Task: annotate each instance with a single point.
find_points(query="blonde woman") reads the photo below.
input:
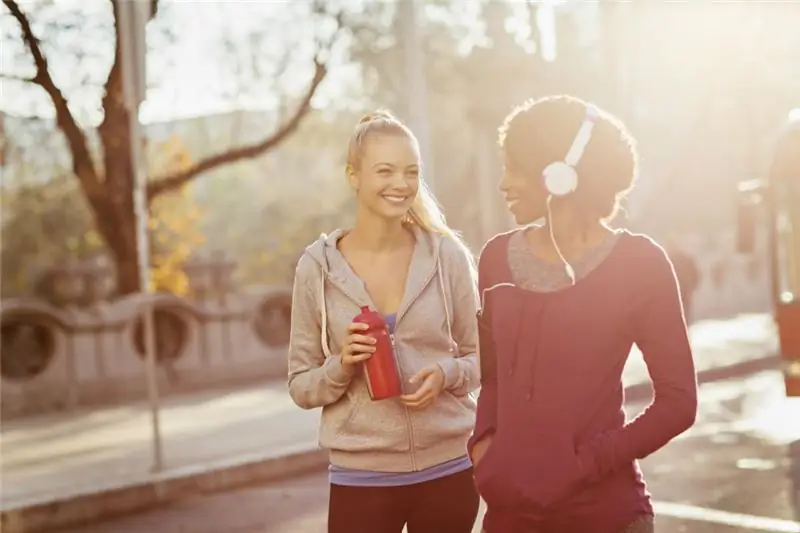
(401, 461)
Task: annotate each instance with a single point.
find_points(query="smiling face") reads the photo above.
(386, 178)
(525, 195)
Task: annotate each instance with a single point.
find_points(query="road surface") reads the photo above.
(736, 471)
(50, 457)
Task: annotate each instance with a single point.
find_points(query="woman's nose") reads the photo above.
(502, 185)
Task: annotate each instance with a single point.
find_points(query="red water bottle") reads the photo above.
(383, 378)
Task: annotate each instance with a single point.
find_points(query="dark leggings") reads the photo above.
(445, 505)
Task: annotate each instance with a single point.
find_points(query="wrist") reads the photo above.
(338, 371)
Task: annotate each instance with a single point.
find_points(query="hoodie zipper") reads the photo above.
(400, 314)
(395, 352)
(406, 413)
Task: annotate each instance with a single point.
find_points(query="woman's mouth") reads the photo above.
(395, 198)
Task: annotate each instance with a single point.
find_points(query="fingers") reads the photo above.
(357, 347)
(420, 399)
(355, 358)
(422, 374)
(420, 404)
(355, 327)
(361, 340)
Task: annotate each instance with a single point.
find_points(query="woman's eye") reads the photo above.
(385, 172)
(414, 174)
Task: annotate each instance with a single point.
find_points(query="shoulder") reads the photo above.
(645, 257)
(308, 269)
(451, 249)
(495, 250)
(457, 258)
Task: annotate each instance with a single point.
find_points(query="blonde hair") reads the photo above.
(425, 211)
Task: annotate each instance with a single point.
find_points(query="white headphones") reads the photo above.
(561, 178)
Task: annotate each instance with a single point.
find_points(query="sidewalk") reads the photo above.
(235, 436)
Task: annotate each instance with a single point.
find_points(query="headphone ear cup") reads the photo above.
(560, 179)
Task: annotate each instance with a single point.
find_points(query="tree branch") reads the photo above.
(16, 77)
(177, 180)
(82, 164)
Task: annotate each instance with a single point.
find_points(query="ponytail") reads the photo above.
(427, 215)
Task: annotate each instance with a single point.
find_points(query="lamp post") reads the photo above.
(132, 18)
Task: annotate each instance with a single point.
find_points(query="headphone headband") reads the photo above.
(582, 137)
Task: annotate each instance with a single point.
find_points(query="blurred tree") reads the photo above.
(48, 222)
(105, 174)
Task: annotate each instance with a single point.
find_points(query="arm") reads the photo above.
(316, 378)
(486, 422)
(660, 332)
(461, 373)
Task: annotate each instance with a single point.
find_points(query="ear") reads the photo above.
(352, 178)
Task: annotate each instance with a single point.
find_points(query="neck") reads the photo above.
(573, 234)
(376, 234)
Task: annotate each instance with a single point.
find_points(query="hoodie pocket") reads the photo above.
(448, 418)
(495, 477)
(368, 425)
(551, 471)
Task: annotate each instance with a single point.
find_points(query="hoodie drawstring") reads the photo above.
(323, 314)
(446, 307)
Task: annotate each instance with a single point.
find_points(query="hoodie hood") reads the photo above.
(335, 271)
(324, 250)
(319, 249)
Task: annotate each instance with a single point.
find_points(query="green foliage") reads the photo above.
(44, 224)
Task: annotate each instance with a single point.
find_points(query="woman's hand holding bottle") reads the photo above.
(357, 346)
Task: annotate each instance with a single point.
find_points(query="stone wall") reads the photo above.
(63, 358)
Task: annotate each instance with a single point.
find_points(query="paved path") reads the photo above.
(48, 456)
(736, 471)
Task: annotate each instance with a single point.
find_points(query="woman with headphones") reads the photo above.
(562, 303)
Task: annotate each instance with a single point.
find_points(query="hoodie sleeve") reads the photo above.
(659, 330)
(316, 377)
(462, 373)
(486, 421)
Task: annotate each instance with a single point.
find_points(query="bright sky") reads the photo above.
(190, 72)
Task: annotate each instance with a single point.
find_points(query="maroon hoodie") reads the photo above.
(563, 458)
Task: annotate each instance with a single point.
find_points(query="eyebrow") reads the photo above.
(383, 163)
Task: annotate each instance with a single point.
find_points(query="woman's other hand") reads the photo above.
(431, 379)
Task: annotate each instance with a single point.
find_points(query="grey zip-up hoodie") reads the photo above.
(436, 323)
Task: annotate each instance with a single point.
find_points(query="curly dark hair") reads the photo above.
(539, 132)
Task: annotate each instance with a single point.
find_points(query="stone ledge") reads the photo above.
(100, 503)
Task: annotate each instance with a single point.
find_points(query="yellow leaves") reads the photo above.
(175, 221)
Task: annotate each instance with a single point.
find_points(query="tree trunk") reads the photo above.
(115, 216)
(120, 236)
(117, 225)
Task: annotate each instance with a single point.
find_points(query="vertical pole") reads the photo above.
(132, 19)
(416, 82)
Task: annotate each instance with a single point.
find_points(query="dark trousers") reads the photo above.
(445, 505)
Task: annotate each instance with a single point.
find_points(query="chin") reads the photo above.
(524, 219)
(391, 214)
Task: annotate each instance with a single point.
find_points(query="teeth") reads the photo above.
(396, 199)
